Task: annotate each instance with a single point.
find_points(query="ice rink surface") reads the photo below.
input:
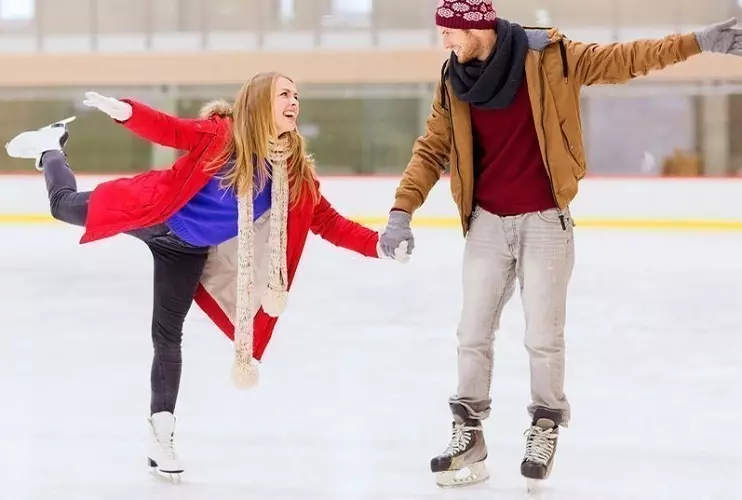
(352, 402)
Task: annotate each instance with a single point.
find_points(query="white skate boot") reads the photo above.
(163, 460)
(33, 143)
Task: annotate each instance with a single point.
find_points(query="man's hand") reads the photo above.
(721, 38)
(397, 231)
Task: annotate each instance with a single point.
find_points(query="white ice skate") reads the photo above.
(163, 460)
(33, 143)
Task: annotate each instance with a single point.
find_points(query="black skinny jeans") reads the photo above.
(177, 272)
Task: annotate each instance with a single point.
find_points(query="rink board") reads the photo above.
(610, 203)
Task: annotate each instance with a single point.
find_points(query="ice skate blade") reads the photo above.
(173, 477)
(66, 120)
(532, 485)
(167, 477)
(466, 476)
(60, 123)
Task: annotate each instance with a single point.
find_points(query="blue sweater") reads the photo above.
(210, 217)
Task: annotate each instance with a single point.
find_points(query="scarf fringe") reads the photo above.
(245, 373)
(274, 302)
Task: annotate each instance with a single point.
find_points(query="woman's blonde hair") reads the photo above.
(253, 131)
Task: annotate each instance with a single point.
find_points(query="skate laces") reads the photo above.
(167, 446)
(460, 439)
(540, 444)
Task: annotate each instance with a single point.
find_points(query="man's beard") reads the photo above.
(470, 54)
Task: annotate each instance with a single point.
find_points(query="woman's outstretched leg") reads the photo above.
(46, 146)
(65, 202)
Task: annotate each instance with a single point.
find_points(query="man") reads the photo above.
(506, 118)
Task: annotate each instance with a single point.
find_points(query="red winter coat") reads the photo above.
(151, 198)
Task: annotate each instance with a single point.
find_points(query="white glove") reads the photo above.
(118, 110)
(400, 253)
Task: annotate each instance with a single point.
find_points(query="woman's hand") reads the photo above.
(118, 110)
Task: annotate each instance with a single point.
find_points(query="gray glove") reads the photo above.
(397, 230)
(721, 38)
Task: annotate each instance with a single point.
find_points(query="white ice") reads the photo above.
(353, 398)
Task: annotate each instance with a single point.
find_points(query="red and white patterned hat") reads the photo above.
(466, 14)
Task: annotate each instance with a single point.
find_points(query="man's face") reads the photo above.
(463, 43)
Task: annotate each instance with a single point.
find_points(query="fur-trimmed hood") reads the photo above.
(218, 107)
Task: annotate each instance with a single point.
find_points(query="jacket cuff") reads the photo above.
(689, 45)
(136, 113)
(404, 204)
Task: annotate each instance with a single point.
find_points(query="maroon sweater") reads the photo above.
(510, 177)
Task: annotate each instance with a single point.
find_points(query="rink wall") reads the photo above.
(620, 203)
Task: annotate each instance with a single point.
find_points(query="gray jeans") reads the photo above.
(177, 273)
(535, 249)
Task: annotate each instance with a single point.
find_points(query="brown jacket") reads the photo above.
(556, 69)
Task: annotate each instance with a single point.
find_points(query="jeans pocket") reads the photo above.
(552, 216)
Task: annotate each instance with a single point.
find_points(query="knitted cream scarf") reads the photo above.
(245, 370)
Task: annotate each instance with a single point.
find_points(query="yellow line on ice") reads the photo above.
(453, 222)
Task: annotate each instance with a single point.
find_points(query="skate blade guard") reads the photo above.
(471, 474)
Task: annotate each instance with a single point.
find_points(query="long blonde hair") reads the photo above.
(253, 131)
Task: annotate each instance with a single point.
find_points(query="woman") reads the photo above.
(226, 224)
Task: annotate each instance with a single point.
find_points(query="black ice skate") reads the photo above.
(462, 463)
(34, 143)
(541, 444)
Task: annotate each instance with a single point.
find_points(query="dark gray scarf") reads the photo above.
(493, 83)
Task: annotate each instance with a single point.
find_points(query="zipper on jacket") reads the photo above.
(453, 135)
(565, 64)
(546, 149)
